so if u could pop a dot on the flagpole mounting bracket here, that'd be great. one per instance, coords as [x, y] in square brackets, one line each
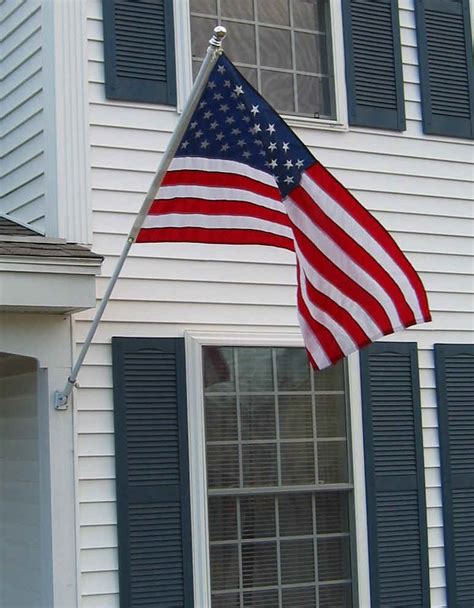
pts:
[60, 400]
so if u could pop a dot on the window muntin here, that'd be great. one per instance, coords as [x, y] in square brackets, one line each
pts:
[283, 47]
[278, 483]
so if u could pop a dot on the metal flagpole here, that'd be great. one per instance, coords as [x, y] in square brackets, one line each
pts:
[212, 55]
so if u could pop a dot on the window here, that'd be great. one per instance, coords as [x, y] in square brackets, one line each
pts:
[279, 480]
[283, 47]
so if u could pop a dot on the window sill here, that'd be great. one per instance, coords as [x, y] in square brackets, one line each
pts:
[302, 122]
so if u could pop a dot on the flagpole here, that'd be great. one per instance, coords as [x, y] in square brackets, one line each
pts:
[212, 55]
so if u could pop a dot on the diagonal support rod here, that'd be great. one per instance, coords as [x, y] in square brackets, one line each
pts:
[212, 55]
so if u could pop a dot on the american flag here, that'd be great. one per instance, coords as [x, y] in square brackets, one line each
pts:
[241, 176]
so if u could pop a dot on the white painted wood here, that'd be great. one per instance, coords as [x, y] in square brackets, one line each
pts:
[66, 119]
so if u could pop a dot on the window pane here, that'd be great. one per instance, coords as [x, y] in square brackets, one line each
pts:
[309, 14]
[275, 48]
[226, 600]
[221, 418]
[273, 11]
[332, 462]
[237, 9]
[223, 466]
[222, 518]
[257, 516]
[200, 30]
[295, 514]
[297, 561]
[251, 75]
[259, 564]
[261, 599]
[203, 6]
[297, 464]
[335, 595]
[304, 597]
[240, 42]
[313, 97]
[257, 417]
[224, 567]
[259, 465]
[295, 416]
[333, 559]
[292, 369]
[330, 379]
[255, 370]
[331, 513]
[310, 53]
[277, 88]
[330, 416]
[218, 369]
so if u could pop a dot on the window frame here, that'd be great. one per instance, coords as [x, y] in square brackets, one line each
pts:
[194, 341]
[182, 25]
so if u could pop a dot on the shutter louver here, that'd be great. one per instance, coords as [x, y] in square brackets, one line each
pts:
[455, 391]
[373, 64]
[139, 51]
[394, 476]
[153, 507]
[444, 51]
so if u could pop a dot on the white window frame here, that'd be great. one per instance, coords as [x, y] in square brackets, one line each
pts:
[182, 26]
[194, 341]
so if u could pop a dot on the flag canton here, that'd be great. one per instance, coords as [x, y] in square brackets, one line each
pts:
[233, 122]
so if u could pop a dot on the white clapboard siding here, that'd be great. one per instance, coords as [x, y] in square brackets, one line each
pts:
[22, 190]
[420, 188]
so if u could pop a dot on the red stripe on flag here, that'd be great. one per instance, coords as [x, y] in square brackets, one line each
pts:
[222, 236]
[333, 274]
[350, 204]
[231, 208]
[357, 253]
[213, 179]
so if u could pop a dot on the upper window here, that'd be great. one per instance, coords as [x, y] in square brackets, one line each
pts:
[283, 47]
[279, 490]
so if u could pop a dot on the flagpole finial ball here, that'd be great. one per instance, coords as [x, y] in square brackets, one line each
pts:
[218, 35]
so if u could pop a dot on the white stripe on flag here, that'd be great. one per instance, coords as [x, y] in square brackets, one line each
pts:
[219, 194]
[220, 165]
[344, 219]
[237, 222]
[338, 256]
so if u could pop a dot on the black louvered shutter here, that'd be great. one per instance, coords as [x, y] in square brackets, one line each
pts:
[153, 505]
[445, 56]
[374, 76]
[139, 51]
[396, 504]
[455, 391]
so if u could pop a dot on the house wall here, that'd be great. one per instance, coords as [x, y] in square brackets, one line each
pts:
[22, 189]
[419, 187]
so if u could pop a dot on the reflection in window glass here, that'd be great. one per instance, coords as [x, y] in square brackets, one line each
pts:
[278, 480]
[284, 45]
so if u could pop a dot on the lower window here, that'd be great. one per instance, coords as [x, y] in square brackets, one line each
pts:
[279, 481]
